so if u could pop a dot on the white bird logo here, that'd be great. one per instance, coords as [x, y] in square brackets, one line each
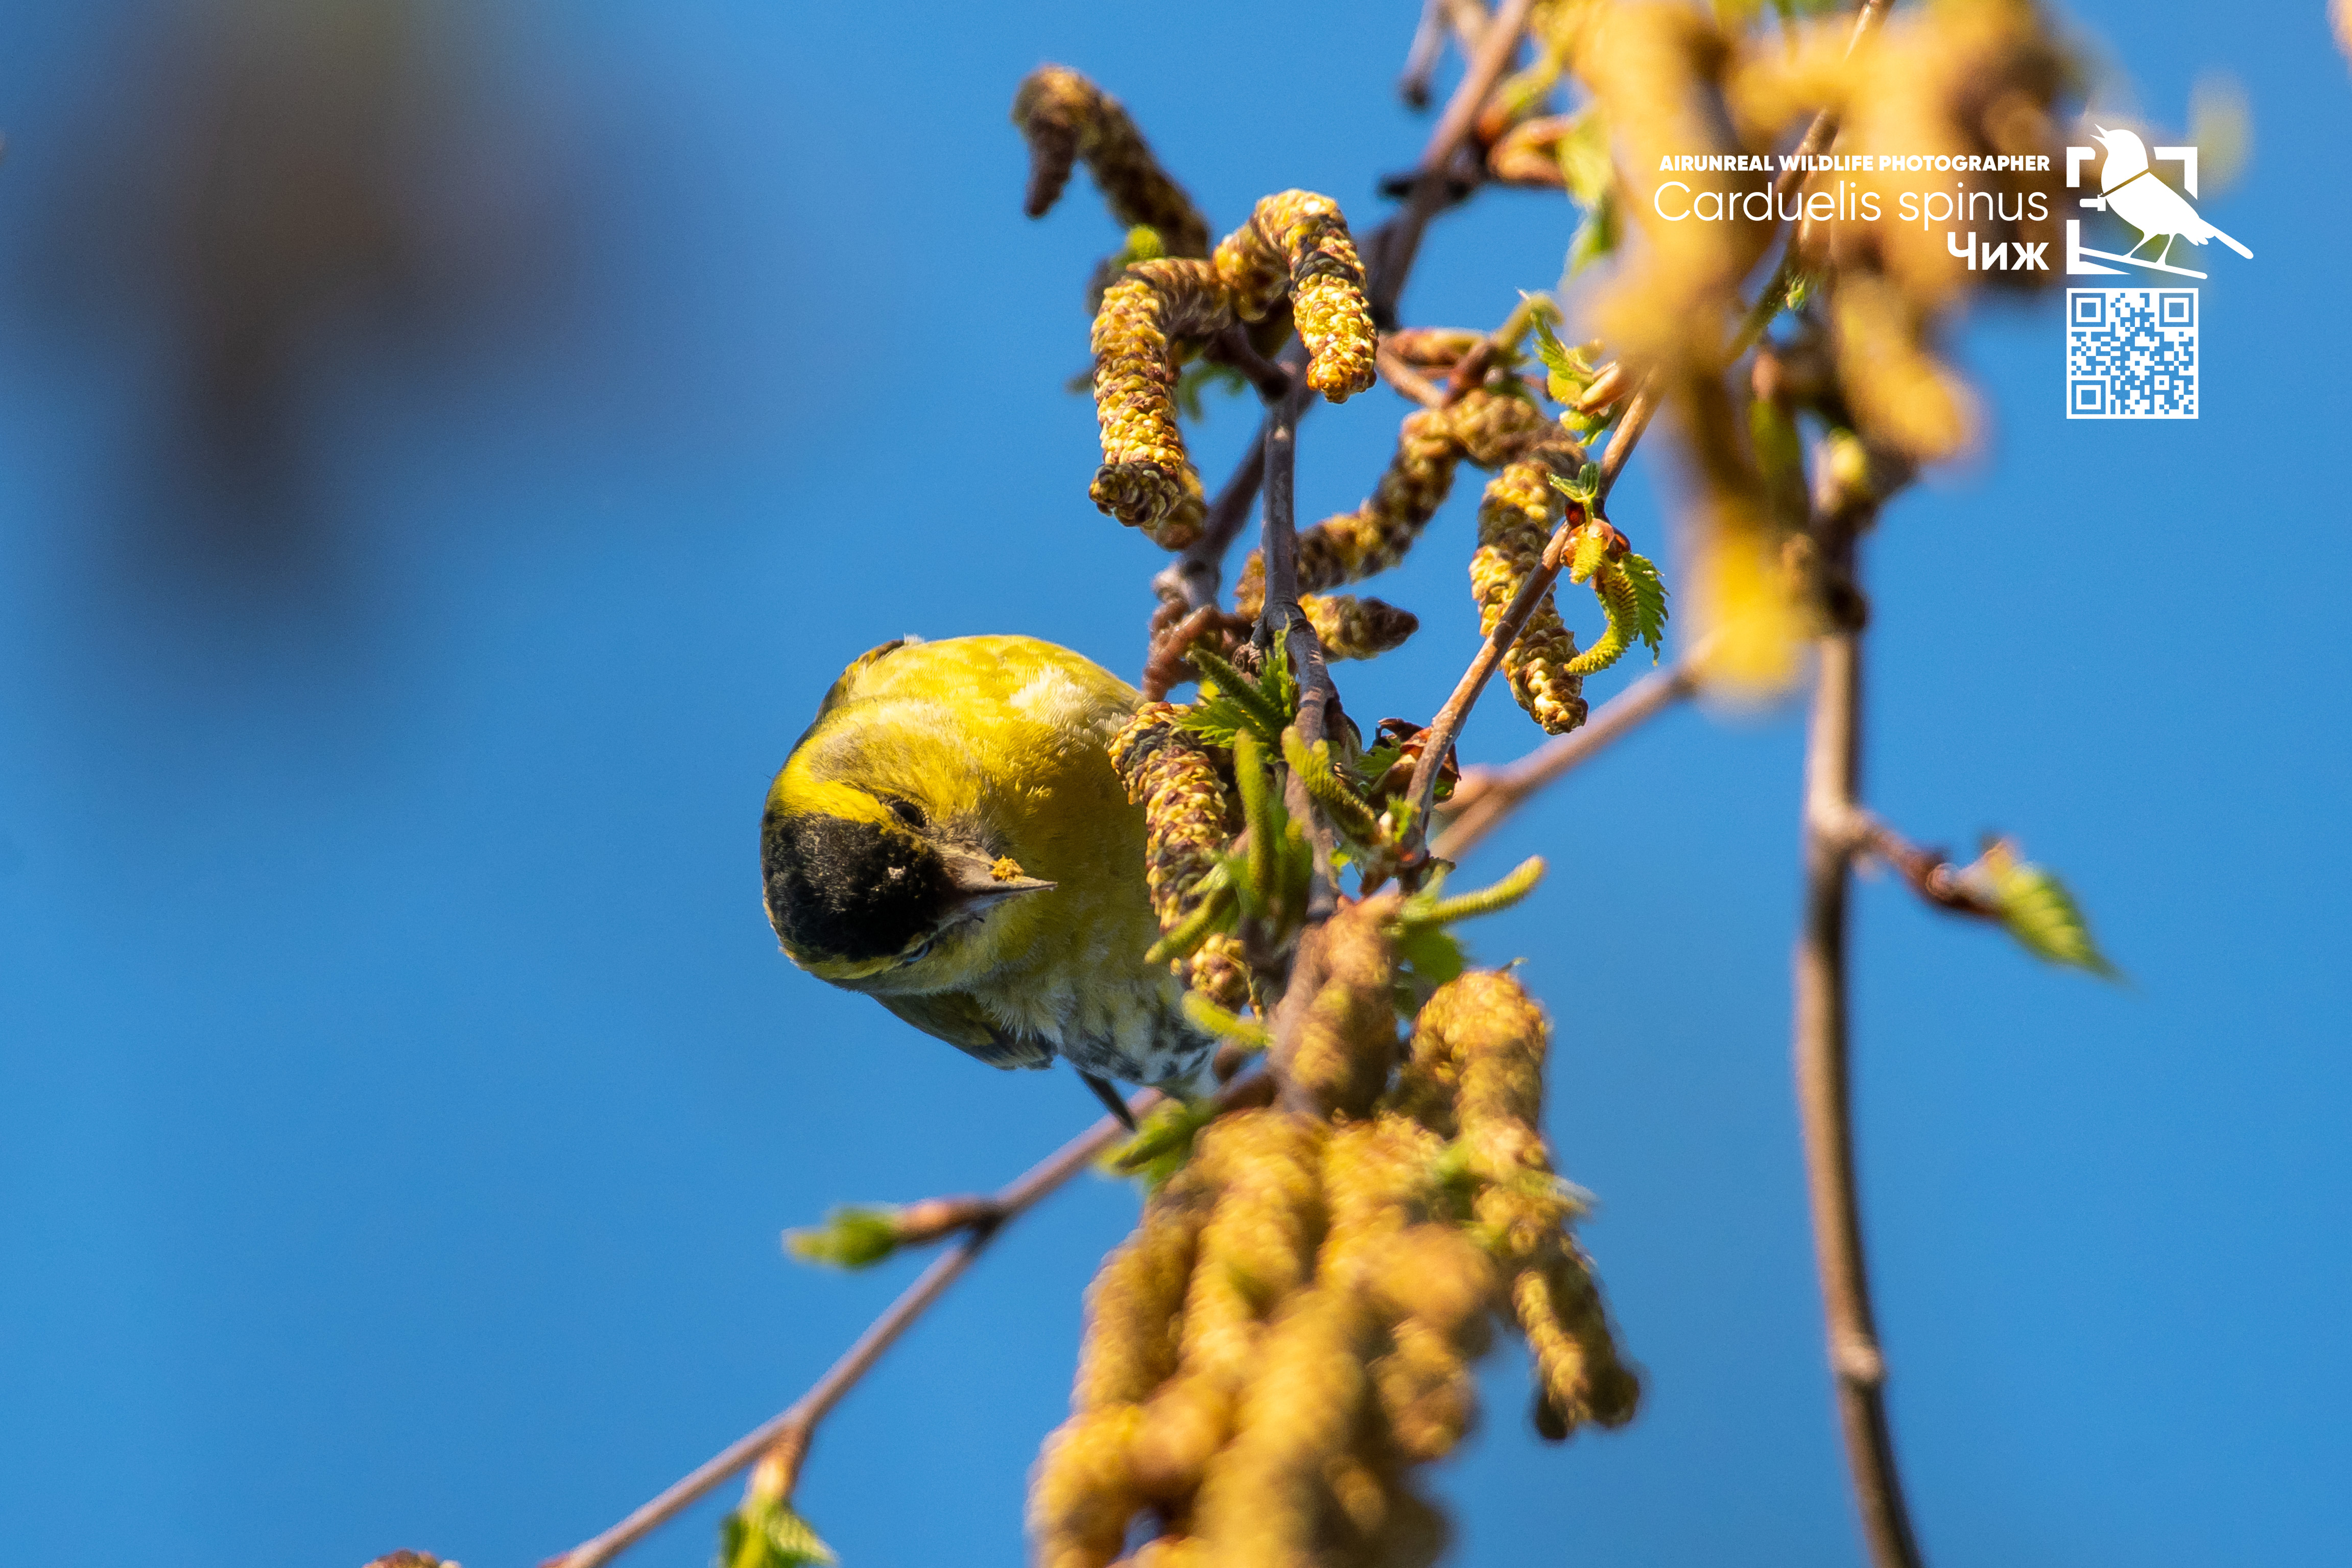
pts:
[2141, 198]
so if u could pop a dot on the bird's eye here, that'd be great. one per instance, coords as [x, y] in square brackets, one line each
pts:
[908, 812]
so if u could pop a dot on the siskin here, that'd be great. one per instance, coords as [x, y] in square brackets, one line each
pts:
[949, 838]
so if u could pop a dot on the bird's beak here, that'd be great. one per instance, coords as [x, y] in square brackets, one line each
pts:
[2099, 134]
[978, 885]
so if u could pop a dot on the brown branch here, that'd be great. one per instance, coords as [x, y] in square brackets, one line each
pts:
[1407, 381]
[1389, 251]
[1486, 795]
[1824, 1101]
[787, 1435]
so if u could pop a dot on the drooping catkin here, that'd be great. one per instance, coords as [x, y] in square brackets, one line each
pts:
[1266, 1496]
[1134, 1306]
[1259, 1244]
[1146, 481]
[1350, 627]
[1083, 1494]
[1568, 1335]
[1064, 118]
[1297, 243]
[1515, 520]
[1188, 816]
[1486, 1036]
[1346, 1045]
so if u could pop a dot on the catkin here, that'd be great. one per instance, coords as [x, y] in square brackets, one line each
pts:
[1350, 627]
[1514, 524]
[1297, 243]
[1132, 1306]
[1083, 1495]
[1187, 817]
[1259, 1244]
[1266, 1495]
[1065, 118]
[1346, 1045]
[1146, 481]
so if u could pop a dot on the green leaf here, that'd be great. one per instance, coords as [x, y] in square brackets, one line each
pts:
[1584, 165]
[850, 1237]
[1649, 600]
[2035, 906]
[766, 1533]
[1568, 372]
[1161, 1145]
[1431, 953]
[1596, 237]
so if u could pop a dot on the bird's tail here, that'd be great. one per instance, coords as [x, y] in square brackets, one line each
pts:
[2231, 242]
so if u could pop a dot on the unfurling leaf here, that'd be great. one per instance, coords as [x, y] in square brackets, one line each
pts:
[766, 1533]
[2035, 906]
[1649, 600]
[1162, 1145]
[850, 1237]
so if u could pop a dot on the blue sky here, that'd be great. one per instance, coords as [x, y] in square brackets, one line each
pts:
[401, 1092]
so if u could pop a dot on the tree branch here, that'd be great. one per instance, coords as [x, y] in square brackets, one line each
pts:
[786, 1437]
[1824, 1100]
[1486, 795]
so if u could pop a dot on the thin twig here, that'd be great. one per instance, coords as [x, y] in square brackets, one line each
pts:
[788, 1433]
[1420, 58]
[1486, 795]
[1497, 45]
[1406, 381]
[1824, 1102]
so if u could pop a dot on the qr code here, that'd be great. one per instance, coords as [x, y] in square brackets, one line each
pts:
[2131, 353]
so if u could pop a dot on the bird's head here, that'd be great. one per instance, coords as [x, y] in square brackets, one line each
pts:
[877, 870]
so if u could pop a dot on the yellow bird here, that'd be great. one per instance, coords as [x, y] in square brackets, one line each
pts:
[949, 838]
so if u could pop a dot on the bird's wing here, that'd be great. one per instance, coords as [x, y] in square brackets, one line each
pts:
[959, 1019]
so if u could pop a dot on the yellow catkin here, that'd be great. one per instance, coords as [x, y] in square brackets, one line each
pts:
[1297, 243]
[1184, 1425]
[1515, 519]
[1134, 1307]
[1568, 1335]
[1187, 819]
[1426, 1393]
[1350, 627]
[1146, 481]
[1901, 392]
[1082, 1495]
[1266, 1497]
[1259, 1244]
[1346, 1045]
[1483, 1036]
[1488, 428]
[1065, 118]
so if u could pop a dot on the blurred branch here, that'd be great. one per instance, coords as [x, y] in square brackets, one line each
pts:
[1825, 1102]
